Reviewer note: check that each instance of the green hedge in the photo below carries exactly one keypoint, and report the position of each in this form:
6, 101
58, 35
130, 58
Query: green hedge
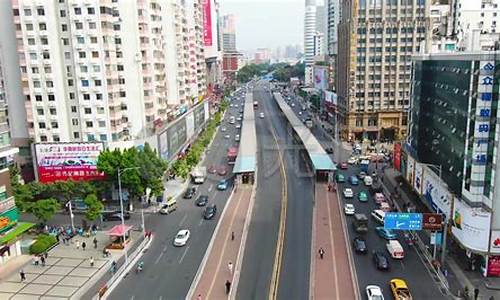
43, 242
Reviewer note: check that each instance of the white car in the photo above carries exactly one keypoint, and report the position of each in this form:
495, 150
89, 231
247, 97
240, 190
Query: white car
293, 104
261, 115
348, 193
352, 160
300, 113
223, 129
238, 126
374, 292
181, 238
349, 209
238, 119
227, 136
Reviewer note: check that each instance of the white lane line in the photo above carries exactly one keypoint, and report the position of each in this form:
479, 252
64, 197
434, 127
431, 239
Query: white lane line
200, 223
211, 187
159, 257
161, 297
183, 220
165, 248
183, 255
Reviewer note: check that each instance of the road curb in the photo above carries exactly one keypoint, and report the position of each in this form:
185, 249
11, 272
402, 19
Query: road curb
201, 268
312, 267
239, 259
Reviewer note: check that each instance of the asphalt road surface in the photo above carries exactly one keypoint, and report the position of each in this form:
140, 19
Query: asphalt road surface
260, 247
168, 270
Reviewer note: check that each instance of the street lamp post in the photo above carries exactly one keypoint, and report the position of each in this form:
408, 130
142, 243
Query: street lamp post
120, 171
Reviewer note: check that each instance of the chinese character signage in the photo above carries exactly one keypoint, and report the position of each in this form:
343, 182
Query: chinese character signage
207, 22
63, 161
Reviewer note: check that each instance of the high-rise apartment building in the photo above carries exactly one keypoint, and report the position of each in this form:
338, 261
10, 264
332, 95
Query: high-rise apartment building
212, 41
376, 42
315, 28
476, 24
229, 33
332, 23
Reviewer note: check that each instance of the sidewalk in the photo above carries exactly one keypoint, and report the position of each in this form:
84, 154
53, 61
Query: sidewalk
213, 274
66, 275
331, 276
458, 277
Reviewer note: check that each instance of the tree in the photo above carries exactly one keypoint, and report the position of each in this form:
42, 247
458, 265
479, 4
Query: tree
24, 197
94, 207
45, 209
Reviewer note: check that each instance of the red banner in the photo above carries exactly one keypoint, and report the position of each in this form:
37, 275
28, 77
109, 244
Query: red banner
397, 156
493, 266
207, 22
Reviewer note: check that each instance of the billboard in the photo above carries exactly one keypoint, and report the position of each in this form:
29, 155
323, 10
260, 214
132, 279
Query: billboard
471, 226
163, 145
331, 97
411, 168
320, 78
436, 193
64, 161
493, 269
199, 116
397, 156
495, 242
207, 23
176, 136
419, 173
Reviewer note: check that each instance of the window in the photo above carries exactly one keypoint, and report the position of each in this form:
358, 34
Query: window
96, 68
95, 54
42, 26
40, 12
89, 124
80, 40
83, 69
52, 97
62, 13
44, 41
98, 96
86, 96
38, 97
53, 111
78, 11
119, 67
54, 125
102, 123
31, 41
27, 12
43, 138
103, 137
56, 137
76, 135
70, 82
49, 84
67, 55
90, 11
97, 82
34, 70
72, 96
47, 69
73, 109
79, 25
15, 12
37, 84
33, 56
82, 54
100, 110
74, 122
92, 25
41, 125
90, 137
64, 27
46, 55
85, 83
93, 40
88, 110
29, 27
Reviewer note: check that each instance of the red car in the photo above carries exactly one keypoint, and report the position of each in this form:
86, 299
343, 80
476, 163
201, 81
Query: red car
212, 169
222, 171
344, 166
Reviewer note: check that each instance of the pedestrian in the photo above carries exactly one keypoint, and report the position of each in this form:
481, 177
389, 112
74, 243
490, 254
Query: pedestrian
91, 261
77, 244
113, 266
42, 259
95, 243
57, 237
232, 235
476, 293
321, 252
35, 260
228, 286
23, 276
199, 297
230, 267
46, 254
83, 246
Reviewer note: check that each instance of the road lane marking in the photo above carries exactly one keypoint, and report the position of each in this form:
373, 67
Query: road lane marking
332, 245
201, 222
210, 188
183, 220
183, 254
159, 257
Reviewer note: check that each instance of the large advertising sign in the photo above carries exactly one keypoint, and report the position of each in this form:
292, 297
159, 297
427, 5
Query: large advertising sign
199, 116
190, 124
493, 269
436, 193
495, 241
411, 168
207, 22
64, 161
397, 156
163, 145
471, 226
419, 173
331, 97
320, 78
177, 136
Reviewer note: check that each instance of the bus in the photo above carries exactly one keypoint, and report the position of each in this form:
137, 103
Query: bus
232, 153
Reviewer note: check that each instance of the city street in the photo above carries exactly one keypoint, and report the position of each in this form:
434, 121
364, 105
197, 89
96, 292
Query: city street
175, 267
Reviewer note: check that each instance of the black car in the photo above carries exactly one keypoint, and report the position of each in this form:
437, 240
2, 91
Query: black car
202, 200
329, 150
210, 212
115, 216
359, 245
190, 193
380, 260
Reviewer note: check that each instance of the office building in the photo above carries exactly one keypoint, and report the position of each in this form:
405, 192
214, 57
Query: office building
332, 23
454, 139
230, 54
315, 31
376, 42
212, 42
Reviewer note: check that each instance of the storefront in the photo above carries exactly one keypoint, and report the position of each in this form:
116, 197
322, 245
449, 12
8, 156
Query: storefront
10, 243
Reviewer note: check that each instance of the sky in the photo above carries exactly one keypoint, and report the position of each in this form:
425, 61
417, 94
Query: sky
266, 23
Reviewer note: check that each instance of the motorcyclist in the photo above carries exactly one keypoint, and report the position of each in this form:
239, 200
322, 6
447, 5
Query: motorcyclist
140, 266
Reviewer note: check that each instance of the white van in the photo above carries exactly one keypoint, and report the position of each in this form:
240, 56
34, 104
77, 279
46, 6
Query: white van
237, 138
395, 249
378, 215
368, 180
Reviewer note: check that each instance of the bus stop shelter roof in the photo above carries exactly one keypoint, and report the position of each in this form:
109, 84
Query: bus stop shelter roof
321, 161
246, 159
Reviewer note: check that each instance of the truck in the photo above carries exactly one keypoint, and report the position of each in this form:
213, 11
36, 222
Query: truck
360, 223
400, 290
364, 165
198, 175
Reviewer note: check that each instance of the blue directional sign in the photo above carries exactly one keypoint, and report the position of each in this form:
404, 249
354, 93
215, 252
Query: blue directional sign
403, 221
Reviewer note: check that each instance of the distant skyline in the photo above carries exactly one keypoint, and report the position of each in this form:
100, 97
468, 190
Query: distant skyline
266, 23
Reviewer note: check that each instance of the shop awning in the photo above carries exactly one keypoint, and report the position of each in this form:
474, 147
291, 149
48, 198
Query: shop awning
119, 230
14, 233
